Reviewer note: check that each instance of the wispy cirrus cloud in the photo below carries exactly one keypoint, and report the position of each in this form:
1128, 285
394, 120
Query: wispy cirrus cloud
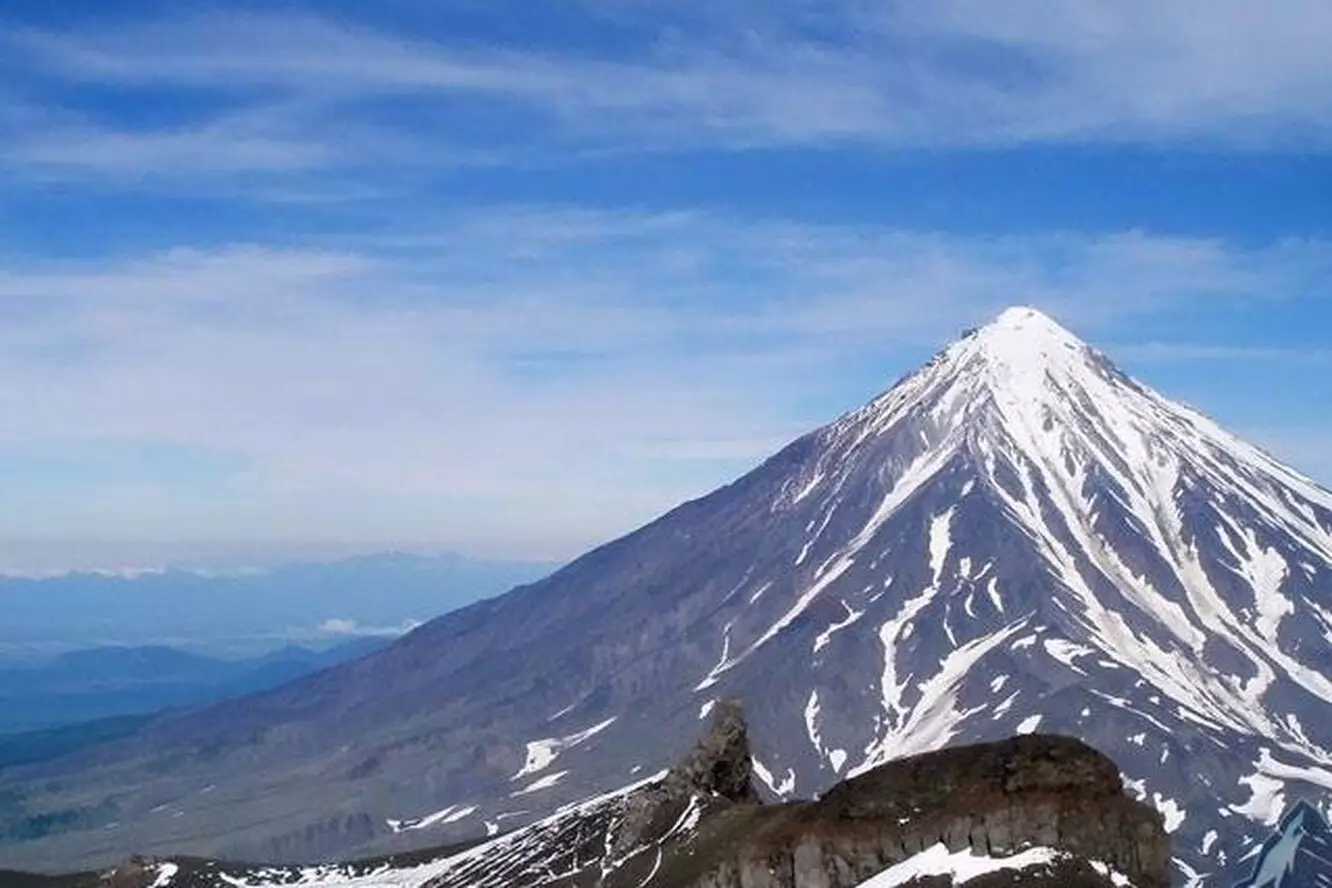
469, 379
284, 90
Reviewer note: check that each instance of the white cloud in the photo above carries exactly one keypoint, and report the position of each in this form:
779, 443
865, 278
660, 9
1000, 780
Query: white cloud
342, 627
529, 381
290, 91
1125, 69
511, 382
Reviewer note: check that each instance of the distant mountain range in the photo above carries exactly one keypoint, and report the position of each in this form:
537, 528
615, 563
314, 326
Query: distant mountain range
249, 613
109, 682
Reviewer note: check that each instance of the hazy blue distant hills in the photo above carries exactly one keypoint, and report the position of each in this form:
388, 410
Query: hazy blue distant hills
248, 613
108, 682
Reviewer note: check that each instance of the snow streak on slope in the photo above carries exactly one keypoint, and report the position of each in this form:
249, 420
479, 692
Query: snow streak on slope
963, 866
541, 753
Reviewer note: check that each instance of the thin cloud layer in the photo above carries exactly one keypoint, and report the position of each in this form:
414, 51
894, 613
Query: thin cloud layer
471, 382
284, 91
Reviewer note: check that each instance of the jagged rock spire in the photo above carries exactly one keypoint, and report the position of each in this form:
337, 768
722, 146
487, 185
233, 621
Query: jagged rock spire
720, 763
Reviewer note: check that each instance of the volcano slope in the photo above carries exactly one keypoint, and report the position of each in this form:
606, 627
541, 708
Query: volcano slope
1015, 537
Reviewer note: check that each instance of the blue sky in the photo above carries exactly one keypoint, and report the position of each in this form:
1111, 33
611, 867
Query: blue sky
511, 278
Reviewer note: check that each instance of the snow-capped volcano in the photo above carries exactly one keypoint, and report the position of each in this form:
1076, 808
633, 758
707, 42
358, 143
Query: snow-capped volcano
1171, 547
1015, 537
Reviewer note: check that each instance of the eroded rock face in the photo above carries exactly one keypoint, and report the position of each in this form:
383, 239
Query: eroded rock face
702, 826
995, 799
718, 771
720, 764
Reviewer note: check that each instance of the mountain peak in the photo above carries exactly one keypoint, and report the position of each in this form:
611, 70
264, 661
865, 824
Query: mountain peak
1023, 337
1023, 317
1020, 372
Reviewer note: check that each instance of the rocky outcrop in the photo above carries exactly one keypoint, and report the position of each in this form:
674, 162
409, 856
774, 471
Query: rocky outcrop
720, 764
718, 771
702, 826
993, 799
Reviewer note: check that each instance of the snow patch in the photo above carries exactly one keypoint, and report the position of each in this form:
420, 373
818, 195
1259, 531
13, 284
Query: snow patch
165, 873
542, 753
1170, 809
543, 783
724, 662
451, 814
826, 635
781, 789
960, 866
1067, 652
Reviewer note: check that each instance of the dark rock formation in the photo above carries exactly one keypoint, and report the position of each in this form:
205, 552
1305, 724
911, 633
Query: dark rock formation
995, 799
702, 826
720, 764
717, 771
1298, 854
